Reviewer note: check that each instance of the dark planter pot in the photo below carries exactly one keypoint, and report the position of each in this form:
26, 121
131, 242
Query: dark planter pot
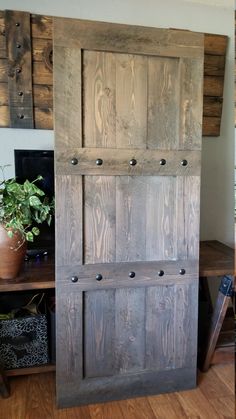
11, 254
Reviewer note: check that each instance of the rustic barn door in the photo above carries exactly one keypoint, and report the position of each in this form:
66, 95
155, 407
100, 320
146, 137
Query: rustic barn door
128, 111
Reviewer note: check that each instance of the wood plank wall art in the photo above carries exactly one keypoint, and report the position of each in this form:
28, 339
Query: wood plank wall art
26, 73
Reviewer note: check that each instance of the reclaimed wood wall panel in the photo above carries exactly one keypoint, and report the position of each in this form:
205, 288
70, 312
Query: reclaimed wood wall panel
18, 48
42, 77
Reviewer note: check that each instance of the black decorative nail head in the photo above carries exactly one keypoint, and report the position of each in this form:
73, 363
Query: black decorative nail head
18, 45
162, 162
74, 278
184, 162
182, 271
18, 70
99, 162
74, 161
133, 162
20, 93
161, 273
20, 116
99, 277
17, 24
132, 274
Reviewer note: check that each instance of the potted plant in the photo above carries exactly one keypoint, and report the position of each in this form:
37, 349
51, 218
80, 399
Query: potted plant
21, 207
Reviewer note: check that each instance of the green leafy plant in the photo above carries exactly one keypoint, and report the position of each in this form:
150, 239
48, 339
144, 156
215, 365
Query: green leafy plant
23, 205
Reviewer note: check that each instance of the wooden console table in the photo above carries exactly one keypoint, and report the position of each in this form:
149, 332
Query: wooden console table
216, 259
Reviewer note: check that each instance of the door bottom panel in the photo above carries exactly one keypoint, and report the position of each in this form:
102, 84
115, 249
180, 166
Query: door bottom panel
135, 385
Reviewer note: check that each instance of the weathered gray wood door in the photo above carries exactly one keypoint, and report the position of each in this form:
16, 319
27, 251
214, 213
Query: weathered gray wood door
128, 111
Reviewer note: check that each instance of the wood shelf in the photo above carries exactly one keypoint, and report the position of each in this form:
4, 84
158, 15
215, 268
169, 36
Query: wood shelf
36, 274
31, 370
215, 259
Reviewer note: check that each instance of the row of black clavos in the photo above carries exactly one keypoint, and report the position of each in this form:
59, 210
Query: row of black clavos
132, 274
132, 162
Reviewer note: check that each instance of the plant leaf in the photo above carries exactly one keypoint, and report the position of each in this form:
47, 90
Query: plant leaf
29, 236
35, 231
34, 201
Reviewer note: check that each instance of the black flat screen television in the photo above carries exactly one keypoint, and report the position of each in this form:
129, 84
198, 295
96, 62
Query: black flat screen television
28, 165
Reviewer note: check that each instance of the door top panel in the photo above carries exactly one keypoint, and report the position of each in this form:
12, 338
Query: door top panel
132, 39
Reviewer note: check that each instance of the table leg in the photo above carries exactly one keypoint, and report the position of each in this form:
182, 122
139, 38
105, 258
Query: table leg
223, 299
4, 385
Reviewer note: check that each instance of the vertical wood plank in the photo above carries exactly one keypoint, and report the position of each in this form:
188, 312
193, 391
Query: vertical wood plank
131, 101
163, 103
18, 45
160, 331
187, 216
69, 334
130, 218
99, 219
69, 231
99, 96
67, 96
99, 333
130, 330
191, 104
185, 324
160, 218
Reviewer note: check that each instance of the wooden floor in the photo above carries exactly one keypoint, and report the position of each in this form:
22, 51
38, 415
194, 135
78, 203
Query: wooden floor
33, 397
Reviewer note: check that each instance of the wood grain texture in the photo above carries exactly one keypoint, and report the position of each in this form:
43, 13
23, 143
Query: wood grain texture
214, 65
42, 95
69, 324
41, 73
160, 206
99, 219
163, 103
4, 116
215, 44
130, 212
117, 162
93, 35
3, 50
99, 333
216, 259
188, 213
213, 86
211, 126
130, 330
185, 317
3, 94
191, 104
41, 26
3, 70
117, 275
39, 45
43, 118
18, 46
131, 101
99, 99
212, 106
160, 337
67, 95
69, 230
182, 405
128, 216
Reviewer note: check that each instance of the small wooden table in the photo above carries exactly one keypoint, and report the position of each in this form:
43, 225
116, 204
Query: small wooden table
216, 260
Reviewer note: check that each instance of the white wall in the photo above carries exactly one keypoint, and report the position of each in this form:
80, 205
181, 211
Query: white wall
212, 16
